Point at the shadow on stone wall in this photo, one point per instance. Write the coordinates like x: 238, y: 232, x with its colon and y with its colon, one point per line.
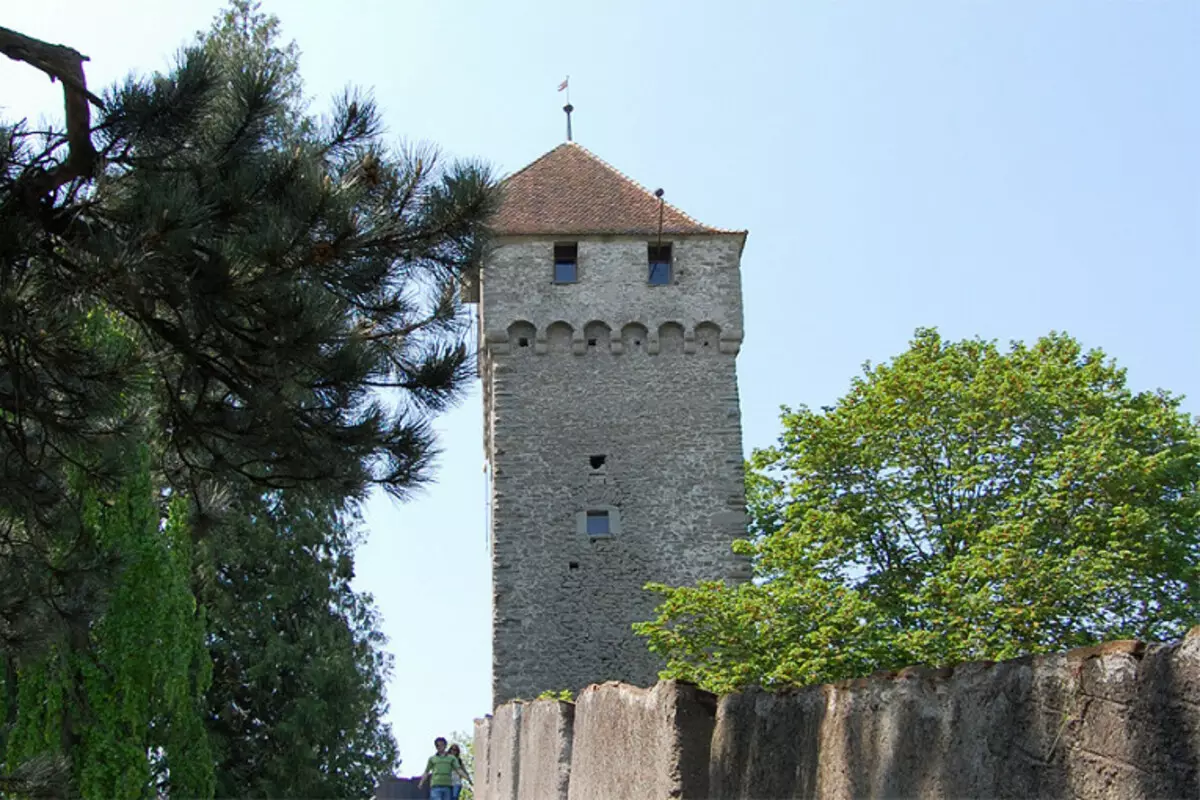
x: 767, y: 744
x: 632, y: 742
x: 1120, y: 720
x: 1166, y: 725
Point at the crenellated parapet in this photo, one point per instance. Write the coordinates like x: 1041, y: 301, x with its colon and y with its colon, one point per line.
x: 597, y: 336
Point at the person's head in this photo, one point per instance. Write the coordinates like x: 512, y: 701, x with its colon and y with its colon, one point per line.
x: 454, y: 751
x: 439, y: 744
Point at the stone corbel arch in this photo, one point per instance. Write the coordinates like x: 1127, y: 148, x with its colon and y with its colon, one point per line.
x: 521, y: 331
x: 672, y: 338
x: 707, y: 337
x: 635, y: 338
x: 599, y: 331
x: 560, y: 337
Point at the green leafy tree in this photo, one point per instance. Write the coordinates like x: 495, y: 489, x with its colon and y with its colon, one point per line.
x: 105, y: 704
x: 243, y: 34
x: 297, y: 706
x: 119, y: 702
x: 959, y: 503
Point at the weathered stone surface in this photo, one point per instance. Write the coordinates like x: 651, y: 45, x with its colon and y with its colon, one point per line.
x: 1121, y: 720
x: 643, y: 376
x: 1118, y: 721
x: 641, y: 743
x: 484, y: 766
x: 497, y: 753
x: 547, y: 729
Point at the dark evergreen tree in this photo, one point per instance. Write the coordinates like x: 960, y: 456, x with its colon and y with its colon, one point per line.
x: 251, y: 313
x: 296, y: 705
x: 271, y: 274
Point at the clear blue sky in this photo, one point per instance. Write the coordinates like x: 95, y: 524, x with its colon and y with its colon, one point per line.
x: 998, y: 168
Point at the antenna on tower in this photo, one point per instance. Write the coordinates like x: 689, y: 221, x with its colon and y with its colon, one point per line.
x: 659, y: 194
x: 565, y: 86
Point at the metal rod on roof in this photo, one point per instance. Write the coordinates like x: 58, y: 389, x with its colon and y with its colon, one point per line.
x: 566, y: 86
x: 659, y: 194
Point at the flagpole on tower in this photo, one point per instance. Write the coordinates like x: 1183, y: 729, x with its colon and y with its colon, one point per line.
x: 565, y: 86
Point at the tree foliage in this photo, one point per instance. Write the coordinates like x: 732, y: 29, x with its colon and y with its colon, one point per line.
x: 297, y: 706
x: 222, y: 320
x: 958, y: 503
x: 131, y: 684
x: 271, y: 272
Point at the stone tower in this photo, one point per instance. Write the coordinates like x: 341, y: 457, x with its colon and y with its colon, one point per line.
x: 612, y: 427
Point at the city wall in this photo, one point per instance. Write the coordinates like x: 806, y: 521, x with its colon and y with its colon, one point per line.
x: 1120, y: 720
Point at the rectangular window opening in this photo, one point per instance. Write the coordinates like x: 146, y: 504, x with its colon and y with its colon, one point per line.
x: 659, y: 257
x: 597, y: 523
x: 566, y: 262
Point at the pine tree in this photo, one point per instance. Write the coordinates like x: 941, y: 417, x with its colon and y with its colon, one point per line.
x: 271, y: 275
x: 296, y: 707
x: 211, y: 295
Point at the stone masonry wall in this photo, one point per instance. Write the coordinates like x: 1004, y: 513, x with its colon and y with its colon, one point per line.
x: 1120, y: 720
x: 642, y: 376
x: 611, y: 285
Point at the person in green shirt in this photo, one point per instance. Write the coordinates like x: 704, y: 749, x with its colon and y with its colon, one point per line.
x: 440, y: 770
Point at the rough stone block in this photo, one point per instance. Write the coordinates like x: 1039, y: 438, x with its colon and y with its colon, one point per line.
x: 497, y: 753
x: 641, y: 743
x: 482, y: 747
x: 547, y: 728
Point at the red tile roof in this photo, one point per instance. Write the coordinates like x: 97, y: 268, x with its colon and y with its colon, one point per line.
x: 571, y: 191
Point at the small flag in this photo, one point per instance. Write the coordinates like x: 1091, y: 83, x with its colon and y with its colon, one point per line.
x: 563, y: 85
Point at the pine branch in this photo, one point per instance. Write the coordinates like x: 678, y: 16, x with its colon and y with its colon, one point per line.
x: 40, y: 776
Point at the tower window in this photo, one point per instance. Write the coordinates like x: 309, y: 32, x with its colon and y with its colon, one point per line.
x: 597, y: 523
x: 659, y: 256
x: 597, y: 461
x: 566, y: 262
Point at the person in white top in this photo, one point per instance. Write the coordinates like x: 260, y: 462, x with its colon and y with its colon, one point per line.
x: 457, y: 775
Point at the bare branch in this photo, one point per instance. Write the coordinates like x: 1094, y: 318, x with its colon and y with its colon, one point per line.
x: 66, y: 65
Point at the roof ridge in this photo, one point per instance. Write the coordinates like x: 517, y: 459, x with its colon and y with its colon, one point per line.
x: 542, y: 157
x: 639, y: 187
x: 644, y: 190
